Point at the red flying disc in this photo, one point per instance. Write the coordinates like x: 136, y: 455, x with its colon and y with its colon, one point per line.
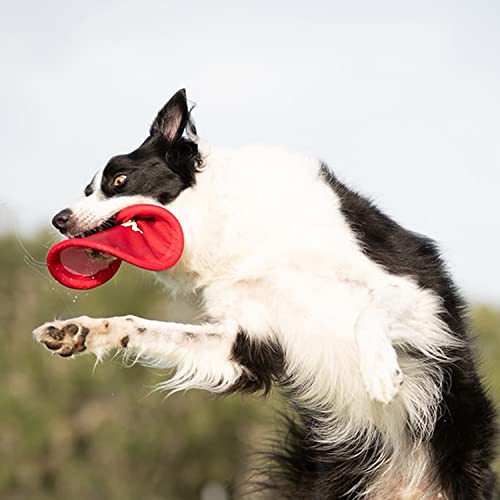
x: 147, y: 236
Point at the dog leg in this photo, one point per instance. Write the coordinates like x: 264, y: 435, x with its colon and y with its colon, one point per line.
x: 201, y: 353
x: 403, y: 314
x: 379, y: 366
x: 374, y: 334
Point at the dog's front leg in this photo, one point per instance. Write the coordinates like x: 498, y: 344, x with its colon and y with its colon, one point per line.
x: 378, y: 360
x: 201, y: 353
x: 374, y: 332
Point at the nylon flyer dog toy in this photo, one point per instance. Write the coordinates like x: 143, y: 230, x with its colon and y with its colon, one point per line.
x: 147, y: 236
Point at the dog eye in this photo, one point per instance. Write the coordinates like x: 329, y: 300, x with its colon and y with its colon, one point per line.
x: 119, y: 180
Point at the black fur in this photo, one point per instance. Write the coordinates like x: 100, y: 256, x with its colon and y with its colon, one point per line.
x: 263, y: 363
x: 89, y: 189
x: 296, y: 466
x: 299, y: 467
x: 164, y: 165
x: 464, y: 441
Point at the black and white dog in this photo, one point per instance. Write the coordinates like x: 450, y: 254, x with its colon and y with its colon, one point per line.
x: 306, y: 285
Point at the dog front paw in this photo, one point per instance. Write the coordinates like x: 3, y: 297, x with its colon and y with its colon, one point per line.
x: 74, y: 336
x: 382, y: 375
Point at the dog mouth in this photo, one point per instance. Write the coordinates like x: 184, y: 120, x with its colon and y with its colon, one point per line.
x: 107, y: 224
x: 147, y: 236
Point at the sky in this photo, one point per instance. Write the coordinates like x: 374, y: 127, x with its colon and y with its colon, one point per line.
x: 402, y: 99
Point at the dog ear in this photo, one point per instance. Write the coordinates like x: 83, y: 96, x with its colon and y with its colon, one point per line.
x: 172, y: 118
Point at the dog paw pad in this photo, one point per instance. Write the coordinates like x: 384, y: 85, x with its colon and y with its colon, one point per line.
x: 65, y: 340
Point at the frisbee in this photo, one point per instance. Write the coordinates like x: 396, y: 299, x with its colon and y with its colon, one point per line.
x: 147, y: 236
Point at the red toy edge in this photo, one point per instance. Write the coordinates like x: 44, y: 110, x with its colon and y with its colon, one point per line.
x: 77, y: 281
x: 71, y: 280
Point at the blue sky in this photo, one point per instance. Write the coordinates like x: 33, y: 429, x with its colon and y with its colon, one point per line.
x: 402, y: 99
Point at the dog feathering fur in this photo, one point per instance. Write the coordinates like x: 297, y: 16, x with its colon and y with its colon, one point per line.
x: 305, y: 285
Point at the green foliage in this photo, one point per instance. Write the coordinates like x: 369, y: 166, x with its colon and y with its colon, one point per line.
x: 72, y: 430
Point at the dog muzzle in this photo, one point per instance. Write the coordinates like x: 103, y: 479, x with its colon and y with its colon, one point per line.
x: 147, y: 236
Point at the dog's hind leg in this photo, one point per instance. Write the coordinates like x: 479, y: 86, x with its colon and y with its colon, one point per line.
x: 202, y: 354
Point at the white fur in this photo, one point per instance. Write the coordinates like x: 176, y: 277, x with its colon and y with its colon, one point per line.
x: 270, y: 251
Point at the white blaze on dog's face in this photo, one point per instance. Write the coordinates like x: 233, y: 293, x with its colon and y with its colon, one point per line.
x: 156, y: 173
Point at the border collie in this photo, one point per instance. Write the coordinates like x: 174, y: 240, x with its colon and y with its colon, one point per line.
x: 308, y: 286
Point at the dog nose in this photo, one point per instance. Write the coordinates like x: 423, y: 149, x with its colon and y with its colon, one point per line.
x: 61, y: 219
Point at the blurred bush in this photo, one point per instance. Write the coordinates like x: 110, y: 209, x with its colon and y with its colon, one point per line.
x: 74, y: 430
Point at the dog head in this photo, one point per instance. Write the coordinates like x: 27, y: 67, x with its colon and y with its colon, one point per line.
x: 163, y: 166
